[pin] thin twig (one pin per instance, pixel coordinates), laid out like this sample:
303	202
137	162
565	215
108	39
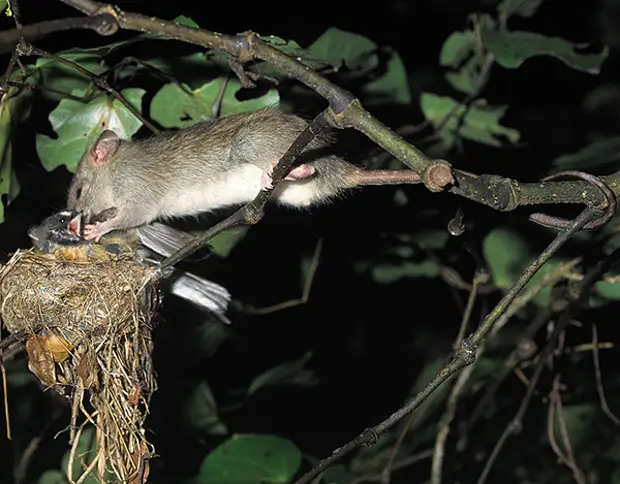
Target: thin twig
103	24
443	428
26	49
22	466
6	399
599	378
400	464
555	408
305	294
465	356
515	357
515	424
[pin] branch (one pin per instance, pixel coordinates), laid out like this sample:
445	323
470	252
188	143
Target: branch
347	109
103	24
24	48
464	357
575	304
497	192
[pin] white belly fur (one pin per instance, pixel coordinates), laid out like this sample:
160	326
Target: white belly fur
299	193
234	187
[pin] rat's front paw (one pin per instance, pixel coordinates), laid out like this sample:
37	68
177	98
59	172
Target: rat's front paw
93	231
266	181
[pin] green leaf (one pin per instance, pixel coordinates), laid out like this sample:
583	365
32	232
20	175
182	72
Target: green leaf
578	420
522	8
61	77
195	69
608	290
511	49
388	273
251	459
223	243
339	47
480	121
457	48
506	255
200	411
467	78
85	453
79	124
431	239
360	54
290	373
205	337
186	21
174	107
52	477
599	153
463	81
3	5
392	87
15	106
291	48
288	46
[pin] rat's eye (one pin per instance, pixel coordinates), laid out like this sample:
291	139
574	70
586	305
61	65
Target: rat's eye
63	220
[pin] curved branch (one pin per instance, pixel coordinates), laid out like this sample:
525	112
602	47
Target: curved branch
499	193
103	24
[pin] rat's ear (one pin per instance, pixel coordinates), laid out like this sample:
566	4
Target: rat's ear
300	172
105	147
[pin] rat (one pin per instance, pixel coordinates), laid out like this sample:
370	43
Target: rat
210	165
60	234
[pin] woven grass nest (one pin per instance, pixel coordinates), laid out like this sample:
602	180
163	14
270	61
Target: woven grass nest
87	326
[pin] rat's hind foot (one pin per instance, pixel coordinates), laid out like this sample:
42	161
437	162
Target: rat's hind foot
300	172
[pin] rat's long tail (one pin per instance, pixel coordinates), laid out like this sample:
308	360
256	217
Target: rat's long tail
159	241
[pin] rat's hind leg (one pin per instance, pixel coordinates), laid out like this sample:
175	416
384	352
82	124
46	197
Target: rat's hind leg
297	173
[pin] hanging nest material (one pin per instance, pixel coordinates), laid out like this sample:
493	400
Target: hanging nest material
88	332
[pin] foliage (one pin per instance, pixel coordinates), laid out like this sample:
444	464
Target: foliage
245	405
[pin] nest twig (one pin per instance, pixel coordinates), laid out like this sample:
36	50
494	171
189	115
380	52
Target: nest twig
88	326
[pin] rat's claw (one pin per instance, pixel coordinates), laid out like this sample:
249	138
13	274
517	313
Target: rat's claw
266	181
91	232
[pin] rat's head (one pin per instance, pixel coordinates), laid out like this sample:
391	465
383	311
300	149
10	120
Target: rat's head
91	185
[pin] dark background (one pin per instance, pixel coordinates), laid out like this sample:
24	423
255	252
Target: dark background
369	341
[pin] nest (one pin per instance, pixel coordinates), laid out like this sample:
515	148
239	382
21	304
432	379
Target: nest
87	326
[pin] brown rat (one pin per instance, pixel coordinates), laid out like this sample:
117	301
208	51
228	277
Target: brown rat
210	165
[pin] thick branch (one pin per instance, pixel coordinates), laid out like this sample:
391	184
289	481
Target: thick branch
249	46
103	24
506	194
496	192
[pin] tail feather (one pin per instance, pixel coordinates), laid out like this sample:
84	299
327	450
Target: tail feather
159	241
